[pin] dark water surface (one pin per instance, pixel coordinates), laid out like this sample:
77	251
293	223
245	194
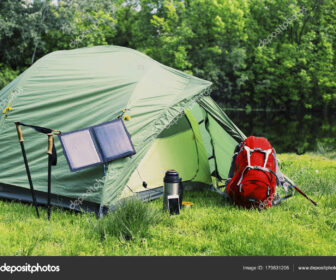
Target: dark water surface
297	132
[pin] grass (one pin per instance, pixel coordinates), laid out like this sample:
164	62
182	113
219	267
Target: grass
130	221
210	228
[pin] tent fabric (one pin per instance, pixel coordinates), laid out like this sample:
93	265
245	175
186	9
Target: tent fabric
217	113
224	146
203	174
74	89
170	151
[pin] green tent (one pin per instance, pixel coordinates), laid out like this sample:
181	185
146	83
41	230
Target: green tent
174	124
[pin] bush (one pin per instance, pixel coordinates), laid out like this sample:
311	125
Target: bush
130	220
7	74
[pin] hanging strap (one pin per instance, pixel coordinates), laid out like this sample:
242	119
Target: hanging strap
45	130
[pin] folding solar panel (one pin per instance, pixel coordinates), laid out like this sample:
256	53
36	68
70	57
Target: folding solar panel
113	140
96	145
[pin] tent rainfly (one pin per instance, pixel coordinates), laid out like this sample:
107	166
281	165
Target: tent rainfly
174	124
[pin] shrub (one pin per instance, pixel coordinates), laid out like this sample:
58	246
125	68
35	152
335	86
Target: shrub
7	74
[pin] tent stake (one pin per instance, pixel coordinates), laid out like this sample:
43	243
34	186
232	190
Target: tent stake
21	140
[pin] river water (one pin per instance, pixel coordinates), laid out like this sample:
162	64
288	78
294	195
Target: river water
297	132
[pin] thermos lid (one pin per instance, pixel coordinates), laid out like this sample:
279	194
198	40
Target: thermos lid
172	176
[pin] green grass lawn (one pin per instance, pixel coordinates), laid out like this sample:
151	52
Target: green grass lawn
210	228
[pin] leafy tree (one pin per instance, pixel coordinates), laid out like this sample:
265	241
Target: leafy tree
257	53
295	67
22	26
82	23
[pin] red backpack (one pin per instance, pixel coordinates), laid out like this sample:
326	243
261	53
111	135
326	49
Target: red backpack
254	178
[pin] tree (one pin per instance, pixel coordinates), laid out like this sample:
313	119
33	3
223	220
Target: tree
22	26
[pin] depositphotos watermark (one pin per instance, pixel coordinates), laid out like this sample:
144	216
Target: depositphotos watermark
282	27
28	268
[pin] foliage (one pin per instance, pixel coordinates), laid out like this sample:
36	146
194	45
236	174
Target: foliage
289	130
82	23
296	68
7	75
22	27
264	53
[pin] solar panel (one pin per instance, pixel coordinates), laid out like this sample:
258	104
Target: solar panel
96	145
113	140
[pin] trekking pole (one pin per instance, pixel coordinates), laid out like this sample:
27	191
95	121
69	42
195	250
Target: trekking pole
19	131
50	148
304	195
299	191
